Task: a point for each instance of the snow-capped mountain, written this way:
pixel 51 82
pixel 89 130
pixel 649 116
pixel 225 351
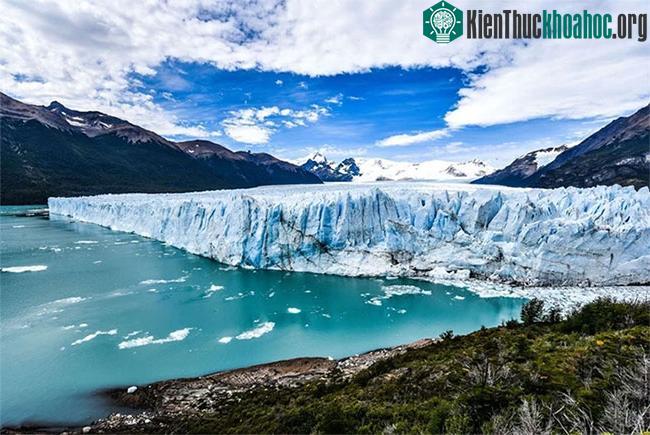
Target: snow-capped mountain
pixel 615 154
pixel 374 169
pixel 523 167
pixel 331 171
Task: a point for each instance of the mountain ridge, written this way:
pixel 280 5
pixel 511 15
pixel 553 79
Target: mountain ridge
pixel 618 153
pixel 376 169
pixel 56 151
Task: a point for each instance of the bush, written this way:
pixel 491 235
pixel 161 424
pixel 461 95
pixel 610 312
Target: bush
pixel 605 314
pixel 447 335
pixel 532 311
pixel 553 315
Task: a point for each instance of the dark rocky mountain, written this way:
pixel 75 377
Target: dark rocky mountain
pixel 56 151
pixel 517 172
pixel 619 153
pixel 329 171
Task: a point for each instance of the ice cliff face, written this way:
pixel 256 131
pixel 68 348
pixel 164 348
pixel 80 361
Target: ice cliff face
pixel 594 236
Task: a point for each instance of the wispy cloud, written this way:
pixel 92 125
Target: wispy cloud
pixel 401 140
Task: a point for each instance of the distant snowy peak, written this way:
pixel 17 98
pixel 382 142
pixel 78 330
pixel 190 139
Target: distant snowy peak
pixel 373 169
pixel 471 169
pixel 330 171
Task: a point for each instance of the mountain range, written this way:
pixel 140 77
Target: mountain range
pixel 618 153
pixel 368 169
pixel 56 151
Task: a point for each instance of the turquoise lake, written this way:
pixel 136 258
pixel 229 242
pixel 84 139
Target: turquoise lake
pixel 115 309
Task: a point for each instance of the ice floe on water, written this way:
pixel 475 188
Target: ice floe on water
pixel 240 295
pixel 178 335
pixel 257 332
pixel 459 298
pixel 93 336
pixel 391 291
pixel 565 298
pixel 86 242
pixel 225 340
pixel 79 326
pixel 164 281
pixel 131 334
pixel 293 310
pixel 212 290
pixel 22 269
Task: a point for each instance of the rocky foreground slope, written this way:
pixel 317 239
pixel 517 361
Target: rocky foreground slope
pixel 598 236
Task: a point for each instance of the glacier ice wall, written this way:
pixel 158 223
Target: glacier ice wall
pixel 596 236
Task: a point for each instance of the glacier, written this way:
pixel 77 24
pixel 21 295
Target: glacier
pixel 529 237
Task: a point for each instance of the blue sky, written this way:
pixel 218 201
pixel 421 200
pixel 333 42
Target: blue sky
pixel 359 110
pixel 292 77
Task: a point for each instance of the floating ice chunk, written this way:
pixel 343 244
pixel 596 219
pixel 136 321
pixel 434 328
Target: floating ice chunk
pixel 213 288
pixel 131 334
pixel 86 242
pixel 401 290
pixel 225 340
pixel 132 389
pixel 263 328
pixel 163 281
pixel 293 310
pixel 178 335
pixel 79 326
pixel 21 269
pixel 93 336
pixel 18 226
pixel 459 298
pixel 397 290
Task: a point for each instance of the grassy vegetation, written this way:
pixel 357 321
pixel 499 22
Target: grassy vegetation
pixel 586 373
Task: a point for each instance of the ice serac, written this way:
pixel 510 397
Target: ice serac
pixel 596 236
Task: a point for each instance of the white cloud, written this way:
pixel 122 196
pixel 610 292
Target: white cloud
pixel 337 99
pixel 400 140
pixel 255 126
pixel 84 54
pixel 558 79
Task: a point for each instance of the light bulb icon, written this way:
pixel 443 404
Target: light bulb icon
pixel 442 22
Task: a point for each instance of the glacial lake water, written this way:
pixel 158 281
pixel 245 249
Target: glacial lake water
pixel 115 309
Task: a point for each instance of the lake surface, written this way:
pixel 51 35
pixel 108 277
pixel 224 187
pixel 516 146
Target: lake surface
pixel 114 309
